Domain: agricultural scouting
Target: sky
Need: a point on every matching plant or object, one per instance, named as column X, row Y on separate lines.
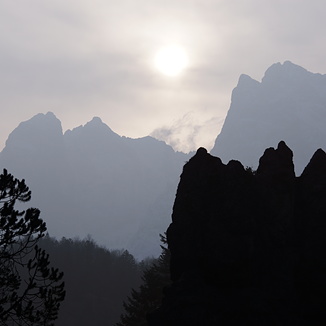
column 80, row 59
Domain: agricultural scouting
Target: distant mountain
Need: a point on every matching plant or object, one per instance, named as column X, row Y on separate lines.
column 92, row 181
column 288, row 104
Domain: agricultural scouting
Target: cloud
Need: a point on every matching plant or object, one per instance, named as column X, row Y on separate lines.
column 190, row 132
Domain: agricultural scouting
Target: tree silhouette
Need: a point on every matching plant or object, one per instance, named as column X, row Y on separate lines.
column 30, row 290
column 149, row 296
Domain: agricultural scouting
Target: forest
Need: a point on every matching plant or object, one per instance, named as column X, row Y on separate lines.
column 45, row 281
column 97, row 280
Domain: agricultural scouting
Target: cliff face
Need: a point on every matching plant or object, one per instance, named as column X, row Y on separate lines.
column 247, row 248
column 289, row 104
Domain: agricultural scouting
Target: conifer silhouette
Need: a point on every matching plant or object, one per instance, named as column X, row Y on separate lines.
column 30, row 290
column 149, row 296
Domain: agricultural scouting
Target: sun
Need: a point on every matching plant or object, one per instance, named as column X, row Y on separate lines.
column 171, row 60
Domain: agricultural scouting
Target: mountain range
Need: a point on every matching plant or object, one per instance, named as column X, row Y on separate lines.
column 91, row 181
column 120, row 191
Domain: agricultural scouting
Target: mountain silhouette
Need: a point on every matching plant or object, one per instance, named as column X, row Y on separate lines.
column 90, row 180
column 289, row 103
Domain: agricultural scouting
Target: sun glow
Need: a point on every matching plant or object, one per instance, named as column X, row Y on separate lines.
column 171, row 60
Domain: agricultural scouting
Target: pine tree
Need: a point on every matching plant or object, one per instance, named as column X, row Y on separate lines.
column 149, row 296
column 30, row 290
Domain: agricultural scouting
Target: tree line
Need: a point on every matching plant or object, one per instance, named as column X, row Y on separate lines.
column 97, row 280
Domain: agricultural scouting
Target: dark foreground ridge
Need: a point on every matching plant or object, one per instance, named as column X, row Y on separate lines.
column 247, row 248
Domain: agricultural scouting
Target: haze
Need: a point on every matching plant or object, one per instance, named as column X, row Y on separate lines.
column 81, row 59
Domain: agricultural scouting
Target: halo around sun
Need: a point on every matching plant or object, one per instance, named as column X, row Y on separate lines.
column 171, row 60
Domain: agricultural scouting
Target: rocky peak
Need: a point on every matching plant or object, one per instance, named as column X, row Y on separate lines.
column 94, row 134
column 39, row 131
column 97, row 123
column 277, row 163
column 316, row 166
column 287, row 70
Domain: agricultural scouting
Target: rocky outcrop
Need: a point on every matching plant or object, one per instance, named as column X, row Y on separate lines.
column 247, row 247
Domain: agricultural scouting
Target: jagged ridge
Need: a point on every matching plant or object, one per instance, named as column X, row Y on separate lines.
column 247, row 248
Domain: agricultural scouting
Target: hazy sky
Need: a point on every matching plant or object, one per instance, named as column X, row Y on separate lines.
column 81, row 59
